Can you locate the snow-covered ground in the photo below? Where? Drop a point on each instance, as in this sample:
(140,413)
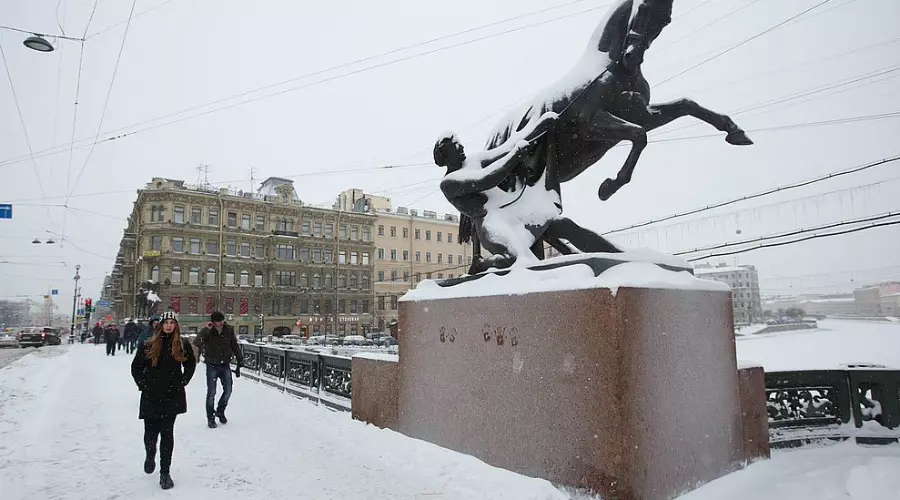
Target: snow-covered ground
(69,430)
(834,343)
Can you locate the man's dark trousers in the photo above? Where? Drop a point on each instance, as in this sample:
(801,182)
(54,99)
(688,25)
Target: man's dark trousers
(213,373)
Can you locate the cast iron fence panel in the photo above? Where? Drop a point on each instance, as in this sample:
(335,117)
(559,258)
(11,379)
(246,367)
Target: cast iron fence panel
(251,356)
(336,375)
(272,363)
(303,369)
(315,373)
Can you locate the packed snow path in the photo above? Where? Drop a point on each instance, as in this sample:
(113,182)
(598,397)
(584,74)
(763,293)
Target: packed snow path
(69,431)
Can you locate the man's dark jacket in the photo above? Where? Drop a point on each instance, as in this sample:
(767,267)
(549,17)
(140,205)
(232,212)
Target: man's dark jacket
(217,347)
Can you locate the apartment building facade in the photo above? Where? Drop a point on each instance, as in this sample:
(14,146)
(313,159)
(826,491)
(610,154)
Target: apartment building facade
(744,283)
(264,259)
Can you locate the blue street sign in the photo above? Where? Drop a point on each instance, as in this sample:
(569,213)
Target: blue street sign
(5,211)
(54,292)
(102,302)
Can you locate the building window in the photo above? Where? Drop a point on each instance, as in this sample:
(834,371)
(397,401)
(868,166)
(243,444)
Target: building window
(156,243)
(364,306)
(459,259)
(245,222)
(428,235)
(449,237)
(179,214)
(194,276)
(428,276)
(245,278)
(258,279)
(380,230)
(405,275)
(178,244)
(210,277)
(329,282)
(365,258)
(304,306)
(154,274)
(231,247)
(212,247)
(304,227)
(342,281)
(406,232)
(304,280)
(354,281)
(229,305)
(354,230)
(366,234)
(427,256)
(418,277)
(406,255)
(195,246)
(284,252)
(354,258)
(450,275)
(317,229)
(245,249)
(342,306)
(381,254)
(342,232)
(393,254)
(418,234)
(260,252)
(327,256)
(229,278)
(439,236)
(418,256)
(304,255)
(232,219)
(353,308)
(317,255)
(365,281)
(213,217)
(393,231)
(193,305)
(440,276)
(284,225)
(440,257)
(196,215)
(260,222)
(393,302)
(329,230)
(342,257)
(380,276)
(316,282)
(176,275)
(381,302)
(449,258)
(276,307)
(393,275)
(285,278)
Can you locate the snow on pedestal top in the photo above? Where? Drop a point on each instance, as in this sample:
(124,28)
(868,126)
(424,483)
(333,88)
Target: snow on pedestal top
(641,271)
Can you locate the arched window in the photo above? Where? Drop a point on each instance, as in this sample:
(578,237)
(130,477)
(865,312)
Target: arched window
(328,282)
(210,277)
(194,276)
(353,281)
(154,274)
(365,281)
(245,278)
(176,275)
(258,280)
(317,281)
(342,281)
(304,280)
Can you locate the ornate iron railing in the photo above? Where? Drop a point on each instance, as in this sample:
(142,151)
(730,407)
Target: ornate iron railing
(301,373)
(806,406)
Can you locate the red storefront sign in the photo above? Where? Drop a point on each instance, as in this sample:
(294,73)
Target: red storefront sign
(245,305)
(175,304)
(210,304)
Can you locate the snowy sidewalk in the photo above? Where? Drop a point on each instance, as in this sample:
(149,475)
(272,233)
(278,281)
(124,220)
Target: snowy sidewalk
(69,431)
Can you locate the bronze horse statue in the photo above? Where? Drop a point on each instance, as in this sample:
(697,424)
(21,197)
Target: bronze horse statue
(602,101)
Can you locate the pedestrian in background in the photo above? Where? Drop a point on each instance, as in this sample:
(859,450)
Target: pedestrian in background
(112,338)
(161,368)
(98,331)
(130,336)
(148,330)
(218,344)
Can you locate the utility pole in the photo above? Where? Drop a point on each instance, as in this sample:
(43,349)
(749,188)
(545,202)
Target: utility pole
(74,302)
(337,259)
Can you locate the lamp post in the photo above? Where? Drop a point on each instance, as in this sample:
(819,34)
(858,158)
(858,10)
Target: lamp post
(74,302)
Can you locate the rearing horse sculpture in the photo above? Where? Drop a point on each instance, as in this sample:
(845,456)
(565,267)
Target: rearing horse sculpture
(604,100)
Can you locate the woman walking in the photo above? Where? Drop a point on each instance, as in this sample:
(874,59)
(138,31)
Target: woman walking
(162,366)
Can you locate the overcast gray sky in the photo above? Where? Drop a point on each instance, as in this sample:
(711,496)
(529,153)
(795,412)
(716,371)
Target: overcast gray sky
(185,53)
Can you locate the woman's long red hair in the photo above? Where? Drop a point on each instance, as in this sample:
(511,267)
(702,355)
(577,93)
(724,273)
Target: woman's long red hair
(156,341)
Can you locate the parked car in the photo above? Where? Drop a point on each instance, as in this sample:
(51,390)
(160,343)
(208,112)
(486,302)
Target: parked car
(388,341)
(356,340)
(38,336)
(7,340)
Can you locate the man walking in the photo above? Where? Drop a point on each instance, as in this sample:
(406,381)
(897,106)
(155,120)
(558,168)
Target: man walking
(217,343)
(130,336)
(112,338)
(98,331)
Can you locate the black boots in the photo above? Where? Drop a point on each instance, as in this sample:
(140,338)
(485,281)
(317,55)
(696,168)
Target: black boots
(165,481)
(211,422)
(221,415)
(150,464)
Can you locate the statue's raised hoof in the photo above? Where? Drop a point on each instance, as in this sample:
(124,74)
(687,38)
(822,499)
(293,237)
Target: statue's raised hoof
(606,190)
(738,138)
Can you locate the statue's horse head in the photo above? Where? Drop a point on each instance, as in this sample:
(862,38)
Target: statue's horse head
(648,18)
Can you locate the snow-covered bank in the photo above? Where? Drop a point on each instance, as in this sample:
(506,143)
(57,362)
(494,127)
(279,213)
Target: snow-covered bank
(834,343)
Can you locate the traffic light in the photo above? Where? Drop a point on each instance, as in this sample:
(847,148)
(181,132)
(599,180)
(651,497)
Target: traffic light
(87,306)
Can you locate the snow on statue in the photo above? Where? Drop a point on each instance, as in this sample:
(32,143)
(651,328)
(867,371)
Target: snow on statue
(602,101)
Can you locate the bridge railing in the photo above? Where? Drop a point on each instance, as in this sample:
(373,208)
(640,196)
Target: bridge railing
(813,405)
(322,378)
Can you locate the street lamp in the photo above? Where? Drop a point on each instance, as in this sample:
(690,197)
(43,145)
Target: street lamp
(74,303)
(38,43)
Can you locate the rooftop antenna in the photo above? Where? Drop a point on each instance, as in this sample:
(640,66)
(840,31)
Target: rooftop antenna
(252,179)
(204,170)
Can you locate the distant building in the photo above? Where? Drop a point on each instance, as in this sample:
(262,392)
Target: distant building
(890,304)
(838,304)
(870,299)
(744,283)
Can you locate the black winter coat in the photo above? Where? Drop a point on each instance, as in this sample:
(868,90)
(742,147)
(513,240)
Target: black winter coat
(98,331)
(131,332)
(162,386)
